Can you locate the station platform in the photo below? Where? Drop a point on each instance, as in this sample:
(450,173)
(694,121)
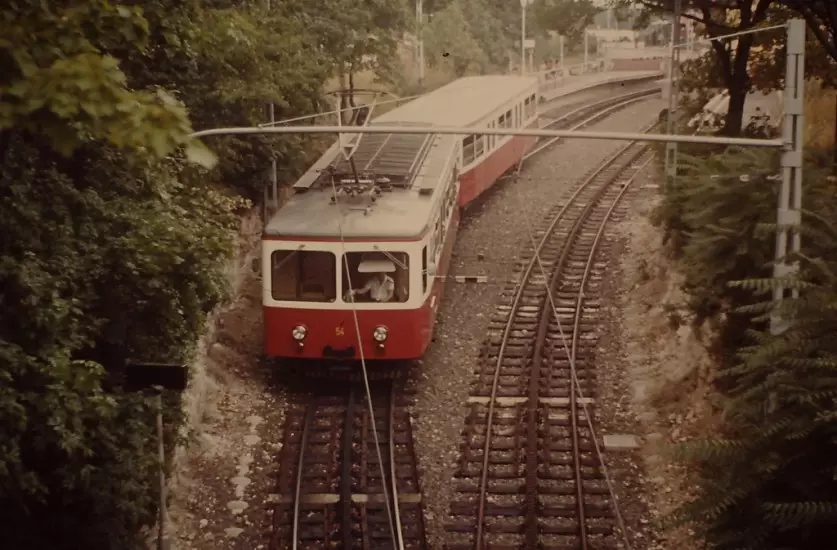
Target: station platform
(554,88)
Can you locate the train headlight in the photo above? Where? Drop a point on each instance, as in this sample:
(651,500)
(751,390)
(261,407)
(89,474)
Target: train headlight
(380,334)
(299,333)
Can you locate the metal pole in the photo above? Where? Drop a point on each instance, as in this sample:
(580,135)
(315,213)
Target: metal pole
(523,38)
(162,543)
(586,41)
(790,194)
(420,42)
(671,147)
(274,176)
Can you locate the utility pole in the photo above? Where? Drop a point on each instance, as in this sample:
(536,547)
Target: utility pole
(420,42)
(274,177)
(673,92)
(788,215)
(523,37)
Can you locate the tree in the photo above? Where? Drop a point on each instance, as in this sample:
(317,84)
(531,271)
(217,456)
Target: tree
(355,36)
(821,16)
(718,19)
(765,481)
(114,246)
(568,18)
(59,91)
(449,41)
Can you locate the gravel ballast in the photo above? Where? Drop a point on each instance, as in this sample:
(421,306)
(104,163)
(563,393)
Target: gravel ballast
(497,228)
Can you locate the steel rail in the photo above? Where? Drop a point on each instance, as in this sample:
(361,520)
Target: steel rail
(627,100)
(574,382)
(507,331)
(546,315)
(346,472)
(306,424)
(394,494)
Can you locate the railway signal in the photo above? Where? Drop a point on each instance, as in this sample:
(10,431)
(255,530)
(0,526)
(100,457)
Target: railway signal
(157,377)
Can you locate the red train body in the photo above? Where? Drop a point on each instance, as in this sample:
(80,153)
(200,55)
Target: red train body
(395,211)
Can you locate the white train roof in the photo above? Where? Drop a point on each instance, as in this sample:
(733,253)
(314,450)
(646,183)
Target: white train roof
(408,167)
(462,102)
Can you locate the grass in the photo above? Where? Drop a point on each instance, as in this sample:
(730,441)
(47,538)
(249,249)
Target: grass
(820,112)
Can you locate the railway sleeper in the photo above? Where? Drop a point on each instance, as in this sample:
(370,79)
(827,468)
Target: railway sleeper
(505,444)
(567,446)
(497,487)
(594,510)
(571,490)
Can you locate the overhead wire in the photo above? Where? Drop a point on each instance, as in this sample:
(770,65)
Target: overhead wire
(395,527)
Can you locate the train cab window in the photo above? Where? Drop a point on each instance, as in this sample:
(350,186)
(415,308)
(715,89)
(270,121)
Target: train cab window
(424,270)
(468,148)
(303,276)
(371,274)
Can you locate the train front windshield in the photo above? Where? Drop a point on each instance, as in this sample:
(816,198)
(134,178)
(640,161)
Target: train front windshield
(311,276)
(303,276)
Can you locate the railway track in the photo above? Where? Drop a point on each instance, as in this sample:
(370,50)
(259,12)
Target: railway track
(529,475)
(576,118)
(331,490)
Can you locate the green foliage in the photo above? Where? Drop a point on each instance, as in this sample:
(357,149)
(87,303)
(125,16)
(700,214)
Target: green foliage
(115,242)
(777,490)
(495,25)
(714,238)
(75,460)
(566,17)
(74,93)
(767,480)
(449,42)
(731,56)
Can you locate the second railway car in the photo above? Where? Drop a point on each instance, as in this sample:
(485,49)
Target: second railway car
(355,261)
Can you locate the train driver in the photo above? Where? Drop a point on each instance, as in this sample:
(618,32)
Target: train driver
(380,288)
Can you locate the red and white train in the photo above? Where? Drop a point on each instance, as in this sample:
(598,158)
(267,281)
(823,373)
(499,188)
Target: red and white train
(396,211)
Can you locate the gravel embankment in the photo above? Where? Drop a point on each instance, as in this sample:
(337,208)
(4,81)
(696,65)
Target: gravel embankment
(497,228)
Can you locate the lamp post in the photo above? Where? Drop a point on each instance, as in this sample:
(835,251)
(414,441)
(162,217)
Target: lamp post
(523,4)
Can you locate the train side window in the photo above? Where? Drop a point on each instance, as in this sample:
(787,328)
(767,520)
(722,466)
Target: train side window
(424,270)
(400,277)
(479,146)
(468,150)
(508,119)
(501,122)
(303,276)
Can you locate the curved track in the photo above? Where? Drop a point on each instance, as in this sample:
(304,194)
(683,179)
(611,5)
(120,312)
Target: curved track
(529,474)
(331,489)
(576,118)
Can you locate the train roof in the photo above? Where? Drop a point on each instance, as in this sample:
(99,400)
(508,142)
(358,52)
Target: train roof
(462,102)
(397,213)
(406,168)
